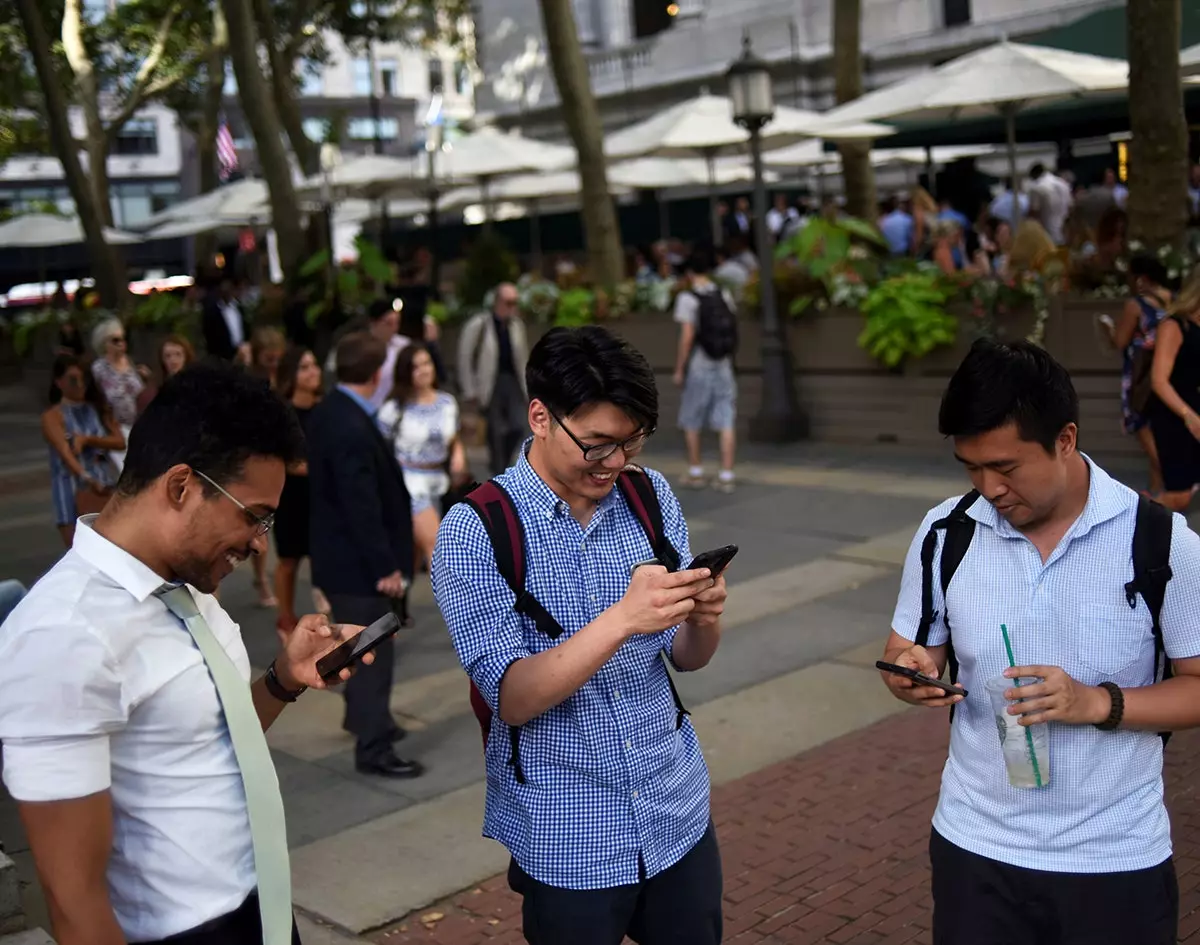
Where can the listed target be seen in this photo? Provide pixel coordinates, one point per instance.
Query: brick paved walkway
(829, 847)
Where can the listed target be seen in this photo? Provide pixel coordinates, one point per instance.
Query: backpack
(716, 325)
(499, 515)
(1151, 572)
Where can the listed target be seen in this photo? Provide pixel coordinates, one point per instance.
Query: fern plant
(907, 318)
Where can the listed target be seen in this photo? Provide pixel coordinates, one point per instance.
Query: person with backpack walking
(561, 586)
(708, 339)
(1054, 577)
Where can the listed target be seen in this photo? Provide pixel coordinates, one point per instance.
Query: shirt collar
(366, 405)
(1106, 499)
(533, 488)
(114, 562)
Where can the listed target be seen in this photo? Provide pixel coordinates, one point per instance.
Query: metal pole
(1010, 129)
(710, 158)
(435, 263)
(535, 236)
(384, 224)
(779, 418)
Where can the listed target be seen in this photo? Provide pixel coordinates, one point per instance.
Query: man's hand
(709, 605)
(906, 690)
(391, 586)
(657, 598)
(1057, 698)
(677, 377)
(313, 637)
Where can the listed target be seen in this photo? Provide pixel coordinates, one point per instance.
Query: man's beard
(198, 573)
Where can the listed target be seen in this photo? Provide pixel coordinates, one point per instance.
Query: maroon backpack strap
(642, 500)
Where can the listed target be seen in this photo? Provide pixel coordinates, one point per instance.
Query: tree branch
(143, 88)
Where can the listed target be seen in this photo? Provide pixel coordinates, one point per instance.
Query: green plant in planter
(827, 258)
(906, 318)
(576, 307)
(538, 298)
(354, 283)
(488, 263)
(162, 311)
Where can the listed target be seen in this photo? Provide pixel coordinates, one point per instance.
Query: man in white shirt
(132, 737)
(1050, 200)
(385, 326)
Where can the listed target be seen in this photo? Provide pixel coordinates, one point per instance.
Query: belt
(425, 467)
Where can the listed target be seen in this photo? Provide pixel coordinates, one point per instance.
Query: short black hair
(702, 260)
(1036, 172)
(1143, 264)
(379, 309)
(571, 368)
(358, 357)
(212, 417)
(998, 384)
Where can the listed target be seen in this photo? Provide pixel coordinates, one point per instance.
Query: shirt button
(635, 795)
(629, 743)
(616, 694)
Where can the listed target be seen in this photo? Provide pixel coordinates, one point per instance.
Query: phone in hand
(351, 651)
(716, 560)
(920, 678)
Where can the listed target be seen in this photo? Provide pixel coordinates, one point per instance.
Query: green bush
(488, 263)
(906, 317)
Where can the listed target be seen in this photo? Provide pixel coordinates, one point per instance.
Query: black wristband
(277, 690)
(1117, 712)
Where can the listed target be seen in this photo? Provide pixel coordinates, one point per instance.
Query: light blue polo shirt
(1103, 810)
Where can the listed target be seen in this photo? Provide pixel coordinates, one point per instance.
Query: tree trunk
(602, 235)
(283, 90)
(89, 98)
(268, 133)
(108, 268)
(857, 172)
(1158, 154)
(210, 120)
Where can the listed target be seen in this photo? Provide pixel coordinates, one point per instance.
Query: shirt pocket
(1111, 640)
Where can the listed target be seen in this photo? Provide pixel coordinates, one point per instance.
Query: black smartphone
(921, 678)
(358, 646)
(716, 560)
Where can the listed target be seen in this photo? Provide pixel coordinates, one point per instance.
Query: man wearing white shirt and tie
(132, 737)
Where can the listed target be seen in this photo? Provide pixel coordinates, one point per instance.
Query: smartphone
(716, 560)
(642, 564)
(921, 678)
(358, 646)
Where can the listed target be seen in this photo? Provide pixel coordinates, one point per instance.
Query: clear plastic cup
(1026, 750)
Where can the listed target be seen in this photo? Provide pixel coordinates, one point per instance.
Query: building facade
(646, 54)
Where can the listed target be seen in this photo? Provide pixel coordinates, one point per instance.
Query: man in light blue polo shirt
(1086, 858)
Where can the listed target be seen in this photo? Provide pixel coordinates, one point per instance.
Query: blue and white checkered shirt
(1103, 809)
(610, 779)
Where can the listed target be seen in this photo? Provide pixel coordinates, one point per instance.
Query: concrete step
(28, 937)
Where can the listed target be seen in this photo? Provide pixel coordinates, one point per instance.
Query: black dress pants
(977, 901)
(679, 906)
(243, 926)
(369, 690)
(507, 422)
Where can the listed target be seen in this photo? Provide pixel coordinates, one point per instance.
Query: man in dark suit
(223, 323)
(361, 539)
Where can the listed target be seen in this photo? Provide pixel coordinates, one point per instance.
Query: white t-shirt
(102, 688)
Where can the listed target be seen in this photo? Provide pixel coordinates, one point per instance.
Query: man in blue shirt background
(603, 795)
(897, 227)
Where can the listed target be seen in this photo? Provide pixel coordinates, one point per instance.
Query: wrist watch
(1117, 711)
(276, 688)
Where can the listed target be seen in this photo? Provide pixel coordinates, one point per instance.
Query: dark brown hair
(359, 356)
(189, 353)
(289, 367)
(402, 382)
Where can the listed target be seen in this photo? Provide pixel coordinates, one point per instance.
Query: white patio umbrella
(40, 230)
(369, 177)
(1189, 60)
(1002, 79)
(245, 201)
(486, 155)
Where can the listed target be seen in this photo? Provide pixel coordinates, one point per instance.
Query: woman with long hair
(81, 434)
(174, 354)
(119, 378)
(267, 347)
(421, 422)
(1175, 414)
(300, 385)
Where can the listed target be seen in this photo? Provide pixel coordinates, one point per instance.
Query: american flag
(227, 157)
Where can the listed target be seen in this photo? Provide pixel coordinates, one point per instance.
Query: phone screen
(354, 649)
(716, 560)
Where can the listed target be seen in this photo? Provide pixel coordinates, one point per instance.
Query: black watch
(1117, 711)
(276, 688)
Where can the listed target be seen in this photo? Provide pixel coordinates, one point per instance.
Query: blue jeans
(11, 593)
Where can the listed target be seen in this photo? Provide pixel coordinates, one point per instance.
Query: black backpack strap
(1151, 574)
(638, 490)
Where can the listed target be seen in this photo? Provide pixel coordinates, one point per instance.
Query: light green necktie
(264, 803)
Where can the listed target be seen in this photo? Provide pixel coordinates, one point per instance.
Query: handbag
(1141, 384)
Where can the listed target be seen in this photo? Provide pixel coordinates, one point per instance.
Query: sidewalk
(829, 847)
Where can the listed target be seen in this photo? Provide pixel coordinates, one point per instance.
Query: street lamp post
(779, 418)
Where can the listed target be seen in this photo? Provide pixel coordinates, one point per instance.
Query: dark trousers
(507, 422)
(977, 901)
(243, 926)
(369, 690)
(679, 906)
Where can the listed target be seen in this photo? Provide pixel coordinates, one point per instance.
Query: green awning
(1103, 33)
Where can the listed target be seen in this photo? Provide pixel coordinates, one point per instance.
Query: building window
(312, 79)
(389, 77)
(437, 77)
(363, 129)
(362, 77)
(139, 136)
(956, 12)
(462, 78)
(651, 17)
(316, 129)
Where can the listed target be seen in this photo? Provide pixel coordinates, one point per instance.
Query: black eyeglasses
(601, 451)
(262, 523)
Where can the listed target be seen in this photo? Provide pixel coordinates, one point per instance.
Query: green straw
(1012, 663)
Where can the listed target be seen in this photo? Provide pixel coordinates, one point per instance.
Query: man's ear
(178, 482)
(539, 418)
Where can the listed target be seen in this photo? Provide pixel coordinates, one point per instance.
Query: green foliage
(489, 262)
(576, 307)
(355, 286)
(538, 299)
(906, 317)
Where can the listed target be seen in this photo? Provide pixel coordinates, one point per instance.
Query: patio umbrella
(243, 202)
(1189, 60)
(1005, 78)
(40, 230)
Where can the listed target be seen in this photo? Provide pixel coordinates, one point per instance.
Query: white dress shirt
(102, 688)
(233, 321)
(396, 344)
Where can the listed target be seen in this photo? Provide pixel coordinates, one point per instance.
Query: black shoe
(389, 766)
(398, 734)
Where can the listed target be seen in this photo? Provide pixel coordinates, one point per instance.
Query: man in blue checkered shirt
(604, 805)
(1080, 852)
